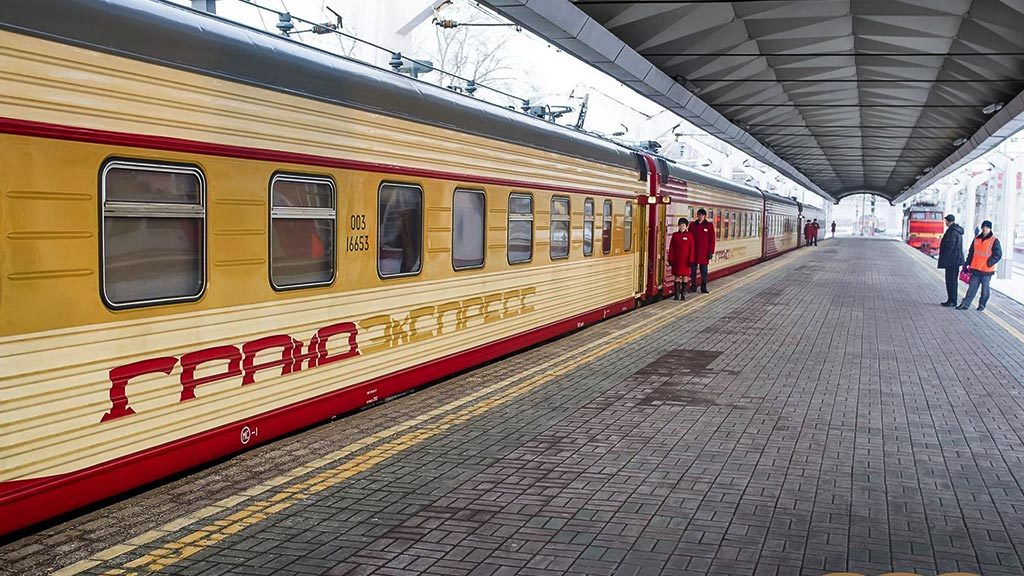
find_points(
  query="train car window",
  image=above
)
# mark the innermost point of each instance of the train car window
(718, 223)
(469, 209)
(153, 237)
(627, 228)
(559, 232)
(520, 228)
(588, 227)
(606, 228)
(692, 215)
(725, 225)
(736, 229)
(302, 223)
(399, 230)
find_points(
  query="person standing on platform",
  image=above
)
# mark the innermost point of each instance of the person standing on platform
(982, 258)
(815, 227)
(951, 257)
(833, 228)
(807, 233)
(703, 233)
(680, 257)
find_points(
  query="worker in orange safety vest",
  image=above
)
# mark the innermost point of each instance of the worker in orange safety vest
(982, 258)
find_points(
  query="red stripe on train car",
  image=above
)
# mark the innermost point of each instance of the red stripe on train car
(27, 502)
(166, 143)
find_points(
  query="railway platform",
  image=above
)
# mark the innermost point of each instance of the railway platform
(819, 413)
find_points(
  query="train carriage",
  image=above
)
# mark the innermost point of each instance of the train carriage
(781, 225)
(206, 248)
(213, 236)
(809, 214)
(734, 209)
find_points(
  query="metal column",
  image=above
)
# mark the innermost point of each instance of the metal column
(1008, 216)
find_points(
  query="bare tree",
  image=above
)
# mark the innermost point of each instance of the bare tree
(476, 53)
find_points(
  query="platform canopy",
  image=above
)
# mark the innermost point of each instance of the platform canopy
(843, 96)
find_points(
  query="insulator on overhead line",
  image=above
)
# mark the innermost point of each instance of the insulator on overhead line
(446, 23)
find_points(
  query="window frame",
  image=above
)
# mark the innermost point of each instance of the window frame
(607, 221)
(294, 213)
(198, 211)
(593, 215)
(508, 227)
(551, 226)
(380, 229)
(483, 240)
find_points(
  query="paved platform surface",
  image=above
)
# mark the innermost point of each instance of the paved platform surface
(818, 413)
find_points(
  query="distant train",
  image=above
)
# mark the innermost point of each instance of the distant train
(923, 227)
(214, 236)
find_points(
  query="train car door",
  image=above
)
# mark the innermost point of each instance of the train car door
(636, 218)
(660, 246)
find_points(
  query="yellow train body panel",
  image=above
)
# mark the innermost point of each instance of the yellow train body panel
(59, 342)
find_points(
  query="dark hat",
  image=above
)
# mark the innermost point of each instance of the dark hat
(986, 224)
(683, 221)
(950, 218)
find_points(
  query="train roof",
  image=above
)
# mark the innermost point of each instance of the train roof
(175, 36)
(780, 199)
(673, 169)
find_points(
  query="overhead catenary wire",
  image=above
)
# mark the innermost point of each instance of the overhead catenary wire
(376, 46)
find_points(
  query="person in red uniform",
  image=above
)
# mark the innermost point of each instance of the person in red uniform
(680, 256)
(703, 233)
(815, 227)
(807, 233)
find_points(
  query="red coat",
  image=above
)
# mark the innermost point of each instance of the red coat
(808, 231)
(680, 253)
(703, 241)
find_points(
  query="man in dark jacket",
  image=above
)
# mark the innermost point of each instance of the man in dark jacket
(951, 256)
(982, 258)
(703, 233)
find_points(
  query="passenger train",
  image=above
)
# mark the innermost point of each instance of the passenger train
(213, 236)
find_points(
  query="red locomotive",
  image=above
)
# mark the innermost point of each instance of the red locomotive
(922, 227)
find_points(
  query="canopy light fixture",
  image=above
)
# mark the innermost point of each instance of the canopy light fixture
(993, 108)
(959, 142)
(690, 86)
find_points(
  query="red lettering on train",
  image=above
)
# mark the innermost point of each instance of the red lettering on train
(240, 363)
(120, 376)
(327, 345)
(192, 360)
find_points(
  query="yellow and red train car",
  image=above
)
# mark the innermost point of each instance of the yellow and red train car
(923, 227)
(213, 236)
(734, 209)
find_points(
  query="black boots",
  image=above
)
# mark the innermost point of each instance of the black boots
(679, 291)
(703, 288)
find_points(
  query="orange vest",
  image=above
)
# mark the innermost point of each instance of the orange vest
(982, 252)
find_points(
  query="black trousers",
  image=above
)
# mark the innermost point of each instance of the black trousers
(703, 275)
(952, 276)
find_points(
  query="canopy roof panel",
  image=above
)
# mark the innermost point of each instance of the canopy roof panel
(844, 96)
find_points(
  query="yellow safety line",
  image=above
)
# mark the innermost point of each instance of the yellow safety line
(259, 510)
(996, 307)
